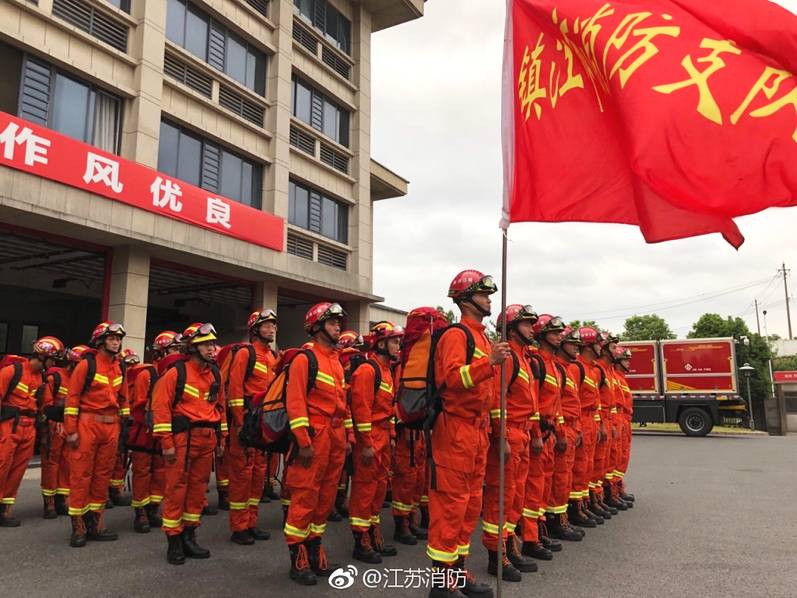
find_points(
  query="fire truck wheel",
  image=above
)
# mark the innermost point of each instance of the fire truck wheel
(695, 422)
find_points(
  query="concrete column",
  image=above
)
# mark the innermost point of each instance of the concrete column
(357, 312)
(265, 296)
(129, 291)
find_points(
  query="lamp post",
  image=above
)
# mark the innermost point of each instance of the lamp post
(747, 370)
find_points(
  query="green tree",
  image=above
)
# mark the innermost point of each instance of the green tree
(448, 313)
(579, 324)
(780, 364)
(751, 348)
(647, 328)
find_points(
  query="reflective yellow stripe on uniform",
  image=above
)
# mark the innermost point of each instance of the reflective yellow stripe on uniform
(531, 514)
(478, 353)
(21, 386)
(535, 417)
(71, 410)
(295, 531)
(238, 506)
(360, 522)
(192, 517)
(348, 423)
(386, 387)
(570, 384)
(261, 367)
(191, 391)
(117, 381)
(496, 413)
(463, 550)
(101, 379)
(235, 403)
(171, 523)
(550, 379)
(523, 375)
(366, 427)
(467, 381)
(299, 422)
(590, 382)
(124, 411)
(490, 528)
(63, 390)
(325, 379)
(318, 529)
(400, 506)
(441, 555)
(162, 427)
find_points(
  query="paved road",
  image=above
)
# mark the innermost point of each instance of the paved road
(714, 517)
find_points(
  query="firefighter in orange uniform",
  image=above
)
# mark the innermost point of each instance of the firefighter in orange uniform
(315, 463)
(147, 464)
(520, 409)
(575, 386)
(92, 419)
(19, 382)
(190, 424)
(591, 425)
(372, 394)
(626, 411)
(460, 435)
(247, 466)
(55, 455)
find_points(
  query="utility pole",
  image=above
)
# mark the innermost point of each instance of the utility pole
(785, 273)
(757, 320)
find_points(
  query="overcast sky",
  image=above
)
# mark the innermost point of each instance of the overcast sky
(436, 121)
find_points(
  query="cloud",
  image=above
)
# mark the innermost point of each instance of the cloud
(436, 121)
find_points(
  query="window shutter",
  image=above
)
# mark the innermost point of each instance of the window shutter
(320, 14)
(317, 111)
(211, 167)
(216, 45)
(315, 212)
(34, 95)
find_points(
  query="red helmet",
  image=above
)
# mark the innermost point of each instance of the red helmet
(320, 313)
(547, 323)
(589, 336)
(383, 331)
(622, 353)
(572, 335)
(349, 339)
(516, 313)
(104, 329)
(49, 347)
(165, 340)
(468, 282)
(605, 338)
(199, 332)
(256, 318)
(129, 357)
(76, 353)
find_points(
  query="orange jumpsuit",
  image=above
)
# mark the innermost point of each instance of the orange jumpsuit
(590, 418)
(55, 453)
(316, 419)
(149, 469)
(247, 466)
(520, 410)
(533, 507)
(409, 472)
(563, 462)
(95, 416)
(17, 434)
(372, 413)
(603, 449)
(193, 425)
(625, 411)
(550, 409)
(460, 439)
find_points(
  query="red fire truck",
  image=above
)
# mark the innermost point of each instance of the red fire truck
(693, 382)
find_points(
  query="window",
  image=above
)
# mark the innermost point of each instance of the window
(121, 4)
(69, 106)
(30, 332)
(189, 27)
(326, 18)
(312, 107)
(205, 164)
(309, 209)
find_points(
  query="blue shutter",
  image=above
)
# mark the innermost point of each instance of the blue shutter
(216, 41)
(211, 167)
(315, 212)
(317, 111)
(320, 14)
(34, 93)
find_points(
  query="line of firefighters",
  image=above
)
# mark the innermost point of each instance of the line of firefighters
(567, 440)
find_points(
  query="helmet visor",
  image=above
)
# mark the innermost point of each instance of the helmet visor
(116, 328)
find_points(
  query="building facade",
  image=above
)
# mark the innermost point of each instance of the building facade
(225, 154)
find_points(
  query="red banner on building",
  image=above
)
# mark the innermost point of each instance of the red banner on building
(672, 115)
(51, 155)
(786, 377)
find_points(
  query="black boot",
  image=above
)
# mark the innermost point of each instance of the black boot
(606, 507)
(340, 503)
(48, 511)
(224, 504)
(153, 516)
(558, 528)
(521, 563)
(537, 551)
(6, 519)
(378, 541)
(300, 565)
(210, 510)
(577, 517)
(141, 521)
(424, 517)
(547, 541)
(585, 508)
(191, 549)
(445, 586)
(334, 516)
(596, 508)
(175, 554)
(95, 525)
(473, 588)
(258, 534)
(318, 559)
(78, 537)
(421, 533)
(363, 551)
(270, 490)
(117, 498)
(629, 498)
(388, 499)
(612, 500)
(402, 531)
(243, 537)
(61, 508)
(508, 571)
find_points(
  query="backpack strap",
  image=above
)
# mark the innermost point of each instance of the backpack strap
(563, 372)
(538, 367)
(377, 374)
(153, 378)
(582, 371)
(312, 369)
(91, 359)
(179, 387)
(213, 393)
(15, 378)
(604, 381)
(251, 360)
(515, 370)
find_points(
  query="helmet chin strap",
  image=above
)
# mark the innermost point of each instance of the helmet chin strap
(594, 352)
(484, 312)
(524, 339)
(323, 330)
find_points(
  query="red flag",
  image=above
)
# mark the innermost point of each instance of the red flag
(672, 115)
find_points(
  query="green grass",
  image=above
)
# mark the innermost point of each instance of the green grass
(677, 428)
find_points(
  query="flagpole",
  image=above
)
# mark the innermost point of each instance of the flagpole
(502, 416)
